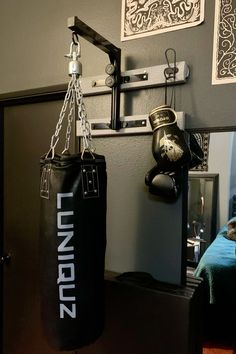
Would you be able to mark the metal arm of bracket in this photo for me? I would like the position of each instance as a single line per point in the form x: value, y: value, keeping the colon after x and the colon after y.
x: 79, y: 27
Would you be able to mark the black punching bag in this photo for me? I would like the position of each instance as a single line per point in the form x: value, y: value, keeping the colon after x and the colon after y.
x: 72, y: 248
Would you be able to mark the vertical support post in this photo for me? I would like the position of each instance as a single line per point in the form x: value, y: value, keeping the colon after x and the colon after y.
x: 115, y: 94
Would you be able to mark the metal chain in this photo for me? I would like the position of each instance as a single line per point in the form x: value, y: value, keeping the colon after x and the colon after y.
x: 55, y: 137
x: 84, y: 123
x: 71, y: 117
x: 73, y: 102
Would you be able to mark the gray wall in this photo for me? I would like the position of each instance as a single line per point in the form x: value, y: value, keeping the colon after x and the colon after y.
x: 34, y: 38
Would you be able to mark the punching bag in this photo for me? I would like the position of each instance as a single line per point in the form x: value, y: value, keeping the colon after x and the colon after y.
x: 72, y: 231
x: 73, y: 241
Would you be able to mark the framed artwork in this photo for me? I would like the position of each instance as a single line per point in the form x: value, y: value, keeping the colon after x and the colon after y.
x: 141, y: 18
x: 224, y: 48
x: 203, y: 140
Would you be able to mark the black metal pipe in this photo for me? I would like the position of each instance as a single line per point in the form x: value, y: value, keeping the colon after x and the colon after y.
x: 79, y: 27
x: 115, y: 96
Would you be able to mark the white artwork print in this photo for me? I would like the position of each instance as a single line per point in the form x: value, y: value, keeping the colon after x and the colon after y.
x: 142, y: 18
x: 224, y: 48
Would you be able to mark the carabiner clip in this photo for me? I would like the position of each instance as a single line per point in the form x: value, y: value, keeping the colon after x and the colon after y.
x: 75, y: 49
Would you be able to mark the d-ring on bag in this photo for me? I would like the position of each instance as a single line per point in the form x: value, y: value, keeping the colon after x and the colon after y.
x: 72, y: 238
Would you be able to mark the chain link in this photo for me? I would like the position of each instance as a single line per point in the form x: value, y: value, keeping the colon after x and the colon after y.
x: 71, y: 117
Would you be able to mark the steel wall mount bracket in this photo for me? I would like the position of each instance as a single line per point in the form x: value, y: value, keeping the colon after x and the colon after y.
x: 80, y: 28
x: 116, y: 82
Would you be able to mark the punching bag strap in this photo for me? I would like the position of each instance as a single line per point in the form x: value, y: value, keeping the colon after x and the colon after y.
x: 170, y: 76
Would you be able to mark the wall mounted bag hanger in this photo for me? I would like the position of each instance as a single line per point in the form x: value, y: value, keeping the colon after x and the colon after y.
x: 118, y: 82
x: 72, y: 228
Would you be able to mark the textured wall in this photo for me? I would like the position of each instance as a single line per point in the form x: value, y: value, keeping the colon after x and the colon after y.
x: 34, y: 38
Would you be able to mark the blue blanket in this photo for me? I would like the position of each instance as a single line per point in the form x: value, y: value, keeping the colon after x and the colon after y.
x: 218, y: 269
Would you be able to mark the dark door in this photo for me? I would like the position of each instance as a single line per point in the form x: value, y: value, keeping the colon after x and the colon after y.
x: 27, y: 132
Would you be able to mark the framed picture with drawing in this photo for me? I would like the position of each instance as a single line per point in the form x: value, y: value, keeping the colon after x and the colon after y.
x: 141, y: 18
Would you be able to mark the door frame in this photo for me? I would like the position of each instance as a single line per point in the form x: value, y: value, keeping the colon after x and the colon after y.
x: 45, y: 94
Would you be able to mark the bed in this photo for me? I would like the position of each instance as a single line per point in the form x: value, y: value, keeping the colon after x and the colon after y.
x: 218, y: 269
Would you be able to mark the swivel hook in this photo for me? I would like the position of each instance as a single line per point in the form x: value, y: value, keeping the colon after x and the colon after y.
x: 75, y: 67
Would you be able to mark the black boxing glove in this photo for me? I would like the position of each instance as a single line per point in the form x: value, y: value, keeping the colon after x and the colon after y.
x: 169, y: 147
x: 163, y: 184
x: 170, y: 150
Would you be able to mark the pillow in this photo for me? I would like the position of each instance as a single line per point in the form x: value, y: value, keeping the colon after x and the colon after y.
x: 232, y: 220
x: 231, y: 229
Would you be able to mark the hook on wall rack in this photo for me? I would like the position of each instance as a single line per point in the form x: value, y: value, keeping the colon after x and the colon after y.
x: 117, y: 82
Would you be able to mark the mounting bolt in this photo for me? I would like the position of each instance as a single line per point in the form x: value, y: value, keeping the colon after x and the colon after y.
x: 126, y: 79
x: 110, y: 81
x: 110, y: 69
x: 145, y: 76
